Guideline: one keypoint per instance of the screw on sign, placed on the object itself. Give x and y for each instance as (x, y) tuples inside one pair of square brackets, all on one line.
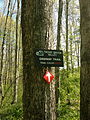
[(48, 77)]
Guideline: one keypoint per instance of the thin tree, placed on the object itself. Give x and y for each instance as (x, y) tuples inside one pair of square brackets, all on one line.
[(16, 47), (67, 65), (67, 48), (58, 47), (2, 52)]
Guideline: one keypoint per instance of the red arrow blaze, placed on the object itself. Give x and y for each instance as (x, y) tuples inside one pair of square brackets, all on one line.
[(48, 77)]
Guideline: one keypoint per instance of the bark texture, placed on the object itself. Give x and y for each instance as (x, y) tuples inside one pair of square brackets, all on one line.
[(67, 63), (85, 60), (58, 47), (33, 36)]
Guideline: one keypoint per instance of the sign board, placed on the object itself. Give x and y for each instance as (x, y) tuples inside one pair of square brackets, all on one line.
[(48, 77), (49, 58)]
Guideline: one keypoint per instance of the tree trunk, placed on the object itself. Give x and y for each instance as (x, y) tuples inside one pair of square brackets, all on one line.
[(58, 47), (67, 64), (78, 56), (2, 54), (34, 24), (71, 50), (85, 60), (52, 98), (16, 51)]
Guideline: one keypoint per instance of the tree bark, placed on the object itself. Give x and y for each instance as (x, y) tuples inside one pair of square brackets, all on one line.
[(16, 51), (2, 54), (85, 61), (34, 24), (58, 47), (67, 64)]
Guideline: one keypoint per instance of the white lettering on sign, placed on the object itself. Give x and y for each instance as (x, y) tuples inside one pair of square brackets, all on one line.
[(45, 58), (42, 62), (57, 59), (40, 53), (50, 62), (48, 52), (56, 52), (52, 55)]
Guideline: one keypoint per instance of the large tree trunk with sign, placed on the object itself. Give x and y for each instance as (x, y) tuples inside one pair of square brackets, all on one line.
[(85, 60), (35, 35)]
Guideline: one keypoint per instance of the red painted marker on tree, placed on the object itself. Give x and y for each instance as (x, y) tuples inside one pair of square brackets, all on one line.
[(48, 77)]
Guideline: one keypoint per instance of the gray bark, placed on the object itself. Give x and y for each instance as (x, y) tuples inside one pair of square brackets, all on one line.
[(34, 24)]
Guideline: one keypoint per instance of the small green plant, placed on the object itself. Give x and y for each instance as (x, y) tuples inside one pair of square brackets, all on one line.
[(12, 112)]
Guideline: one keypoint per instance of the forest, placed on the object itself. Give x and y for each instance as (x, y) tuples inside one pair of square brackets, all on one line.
[(40, 39)]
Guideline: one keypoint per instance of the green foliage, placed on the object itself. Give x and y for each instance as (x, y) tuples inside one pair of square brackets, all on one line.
[(12, 112), (9, 111), (69, 108)]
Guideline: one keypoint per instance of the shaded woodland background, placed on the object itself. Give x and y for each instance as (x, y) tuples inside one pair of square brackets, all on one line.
[(64, 34)]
